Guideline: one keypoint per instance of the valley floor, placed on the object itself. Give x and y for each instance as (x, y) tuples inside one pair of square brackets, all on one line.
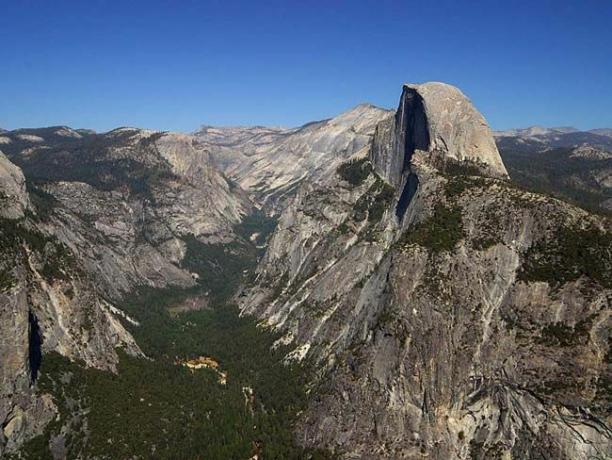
[(158, 408)]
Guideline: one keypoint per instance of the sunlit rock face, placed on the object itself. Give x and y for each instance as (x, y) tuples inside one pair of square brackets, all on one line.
[(102, 216), (446, 312), (13, 196), (271, 163), (47, 304), (433, 332), (456, 129), (435, 124)]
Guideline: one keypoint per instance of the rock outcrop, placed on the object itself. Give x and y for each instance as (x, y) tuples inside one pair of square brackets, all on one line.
[(437, 120), (271, 163), (456, 129), (47, 303), (444, 330), (13, 196), (446, 312), (100, 217)]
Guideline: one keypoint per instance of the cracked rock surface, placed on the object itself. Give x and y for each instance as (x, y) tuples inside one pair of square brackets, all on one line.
[(99, 217), (448, 330), (446, 312)]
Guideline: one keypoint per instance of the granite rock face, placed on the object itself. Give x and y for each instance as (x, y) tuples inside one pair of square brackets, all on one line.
[(271, 163), (447, 313), (47, 303), (456, 129), (423, 286), (436, 119), (126, 200), (100, 217), (13, 198)]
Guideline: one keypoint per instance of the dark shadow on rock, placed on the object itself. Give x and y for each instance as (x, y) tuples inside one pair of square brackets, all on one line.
[(410, 188), (35, 343)]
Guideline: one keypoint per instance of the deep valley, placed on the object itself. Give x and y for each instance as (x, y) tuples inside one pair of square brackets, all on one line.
[(384, 284)]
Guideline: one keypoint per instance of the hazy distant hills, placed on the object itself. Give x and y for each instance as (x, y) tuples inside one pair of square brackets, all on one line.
[(563, 161), (602, 131), (535, 131), (270, 162), (537, 137)]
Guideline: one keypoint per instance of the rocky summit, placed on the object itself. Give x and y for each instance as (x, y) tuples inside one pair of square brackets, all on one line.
[(380, 285), (428, 289)]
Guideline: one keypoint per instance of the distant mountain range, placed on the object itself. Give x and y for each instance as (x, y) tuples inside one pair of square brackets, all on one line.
[(536, 130), (563, 161), (602, 131), (535, 136), (432, 294)]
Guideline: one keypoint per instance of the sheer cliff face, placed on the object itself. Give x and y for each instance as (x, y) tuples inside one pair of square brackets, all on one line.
[(427, 290), (13, 198), (125, 200), (47, 303), (99, 217), (438, 122), (447, 313), (457, 131)]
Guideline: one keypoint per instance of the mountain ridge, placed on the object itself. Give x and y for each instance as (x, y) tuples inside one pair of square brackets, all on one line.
[(442, 309), (413, 317)]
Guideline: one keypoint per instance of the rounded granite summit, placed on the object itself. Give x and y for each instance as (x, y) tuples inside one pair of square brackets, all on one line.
[(457, 130)]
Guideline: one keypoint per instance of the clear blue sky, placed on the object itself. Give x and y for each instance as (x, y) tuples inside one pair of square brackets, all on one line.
[(174, 65)]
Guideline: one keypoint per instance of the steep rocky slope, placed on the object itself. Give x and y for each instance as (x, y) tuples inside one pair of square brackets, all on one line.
[(445, 311), (47, 303), (450, 313), (270, 163), (128, 200), (94, 219)]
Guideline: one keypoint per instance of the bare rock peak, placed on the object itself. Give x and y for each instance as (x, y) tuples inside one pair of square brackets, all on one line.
[(437, 121), (457, 129)]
